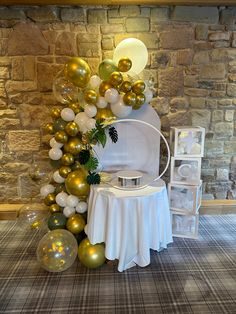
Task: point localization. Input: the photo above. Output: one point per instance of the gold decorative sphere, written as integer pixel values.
(75, 223)
(61, 137)
(50, 199)
(116, 78)
(90, 96)
(67, 159)
(54, 208)
(76, 183)
(124, 64)
(91, 255)
(140, 100)
(129, 99)
(64, 171)
(104, 113)
(125, 87)
(72, 128)
(56, 113)
(75, 107)
(77, 71)
(48, 128)
(138, 87)
(104, 86)
(73, 146)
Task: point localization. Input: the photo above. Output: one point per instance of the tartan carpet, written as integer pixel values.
(191, 276)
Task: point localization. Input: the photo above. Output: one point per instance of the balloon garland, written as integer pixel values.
(91, 104)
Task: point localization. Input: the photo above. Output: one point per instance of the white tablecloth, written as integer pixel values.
(129, 222)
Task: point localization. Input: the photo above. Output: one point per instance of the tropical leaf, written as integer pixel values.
(93, 178)
(92, 163)
(84, 156)
(113, 134)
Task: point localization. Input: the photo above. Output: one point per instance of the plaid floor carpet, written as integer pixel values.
(191, 276)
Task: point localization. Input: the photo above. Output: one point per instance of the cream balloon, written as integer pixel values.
(72, 201)
(148, 95)
(120, 110)
(90, 124)
(135, 50)
(94, 81)
(90, 111)
(111, 95)
(57, 178)
(81, 207)
(54, 144)
(46, 189)
(67, 114)
(61, 199)
(55, 153)
(68, 211)
(81, 118)
(101, 103)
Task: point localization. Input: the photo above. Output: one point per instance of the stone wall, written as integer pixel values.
(192, 61)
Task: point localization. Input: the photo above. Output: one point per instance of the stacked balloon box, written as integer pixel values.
(185, 187)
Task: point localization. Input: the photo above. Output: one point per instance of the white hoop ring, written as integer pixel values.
(161, 135)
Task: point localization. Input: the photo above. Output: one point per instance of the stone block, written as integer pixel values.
(170, 82)
(225, 102)
(229, 115)
(224, 129)
(19, 86)
(24, 140)
(73, 15)
(201, 57)
(29, 68)
(197, 102)
(112, 28)
(219, 54)
(113, 12)
(229, 147)
(201, 32)
(196, 92)
(43, 14)
(89, 49)
(231, 89)
(66, 44)
(159, 59)
(11, 14)
(159, 14)
(97, 16)
(107, 43)
(31, 36)
(149, 39)
(213, 148)
(215, 36)
(32, 116)
(179, 103)
(213, 71)
(181, 117)
(221, 44)
(137, 24)
(190, 81)
(161, 105)
(129, 10)
(201, 118)
(45, 75)
(4, 73)
(204, 14)
(7, 124)
(177, 39)
(217, 115)
(228, 16)
(184, 57)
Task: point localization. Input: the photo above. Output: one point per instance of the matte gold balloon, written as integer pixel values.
(129, 99)
(72, 128)
(104, 86)
(77, 71)
(49, 128)
(54, 208)
(76, 183)
(67, 159)
(76, 165)
(116, 78)
(75, 223)
(60, 187)
(75, 107)
(56, 113)
(73, 146)
(125, 87)
(90, 96)
(140, 100)
(91, 255)
(138, 87)
(59, 125)
(124, 64)
(106, 67)
(104, 113)
(61, 137)
(50, 199)
(64, 171)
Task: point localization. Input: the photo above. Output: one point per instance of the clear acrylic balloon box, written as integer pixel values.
(185, 170)
(184, 225)
(185, 198)
(187, 141)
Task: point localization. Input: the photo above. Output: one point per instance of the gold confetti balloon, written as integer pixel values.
(72, 128)
(90, 96)
(129, 99)
(76, 183)
(73, 146)
(124, 64)
(104, 86)
(67, 159)
(75, 223)
(56, 113)
(77, 71)
(91, 255)
(61, 137)
(57, 250)
(116, 78)
(138, 87)
(31, 217)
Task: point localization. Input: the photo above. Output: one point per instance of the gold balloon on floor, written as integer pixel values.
(91, 256)
(75, 224)
(76, 183)
(77, 71)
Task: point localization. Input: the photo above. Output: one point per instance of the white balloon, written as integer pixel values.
(67, 114)
(61, 199)
(46, 189)
(148, 95)
(90, 111)
(111, 95)
(68, 211)
(91, 124)
(57, 178)
(54, 144)
(55, 153)
(72, 201)
(101, 103)
(81, 118)
(94, 81)
(135, 50)
(81, 207)
(120, 110)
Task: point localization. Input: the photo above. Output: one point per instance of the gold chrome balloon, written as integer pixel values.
(104, 86)
(61, 137)
(54, 208)
(73, 146)
(75, 107)
(49, 128)
(125, 87)
(129, 99)
(64, 171)
(50, 199)
(140, 100)
(67, 159)
(104, 113)
(56, 113)
(72, 128)
(124, 64)
(91, 255)
(77, 71)
(90, 96)
(75, 223)
(138, 87)
(76, 183)
(116, 78)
